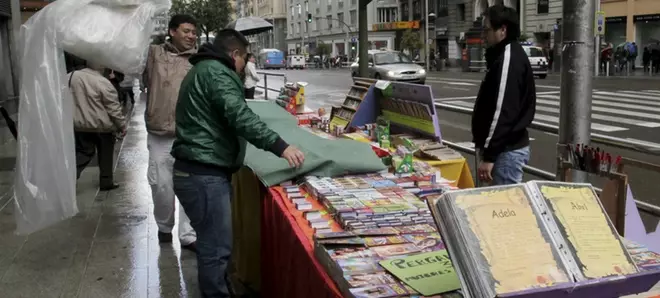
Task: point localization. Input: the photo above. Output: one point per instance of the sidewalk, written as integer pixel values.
(110, 249)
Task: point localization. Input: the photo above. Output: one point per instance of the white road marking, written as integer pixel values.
(644, 142)
(653, 91)
(548, 87)
(640, 92)
(613, 111)
(641, 102)
(618, 94)
(554, 119)
(455, 98)
(602, 103)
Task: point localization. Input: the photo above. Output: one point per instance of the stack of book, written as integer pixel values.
(545, 238)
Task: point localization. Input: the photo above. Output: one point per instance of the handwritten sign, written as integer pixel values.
(428, 273)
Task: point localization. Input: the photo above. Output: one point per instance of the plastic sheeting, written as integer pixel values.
(113, 33)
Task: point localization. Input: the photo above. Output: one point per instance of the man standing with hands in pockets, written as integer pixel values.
(213, 124)
(506, 102)
(167, 65)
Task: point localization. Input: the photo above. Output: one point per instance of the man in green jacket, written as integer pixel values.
(213, 123)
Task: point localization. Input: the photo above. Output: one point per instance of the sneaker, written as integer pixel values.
(109, 187)
(191, 247)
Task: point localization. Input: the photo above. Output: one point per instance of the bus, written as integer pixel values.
(271, 58)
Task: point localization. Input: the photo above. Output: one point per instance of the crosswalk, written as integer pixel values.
(612, 111)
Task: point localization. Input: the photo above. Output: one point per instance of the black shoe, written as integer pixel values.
(109, 187)
(191, 247)
(164, 237)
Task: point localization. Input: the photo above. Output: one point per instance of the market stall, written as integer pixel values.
(372, 233)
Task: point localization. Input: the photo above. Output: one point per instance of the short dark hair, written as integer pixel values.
(249, 55)
(179, 19)
(500, 16)
(227, 40)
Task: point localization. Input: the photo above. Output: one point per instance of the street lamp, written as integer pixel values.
(427, 45)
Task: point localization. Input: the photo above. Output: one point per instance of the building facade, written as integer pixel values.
(632, 20)
(464, 21)
(274, 12)
(542, 18)
(335, 22)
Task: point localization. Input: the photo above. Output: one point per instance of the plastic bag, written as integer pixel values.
(45, 176)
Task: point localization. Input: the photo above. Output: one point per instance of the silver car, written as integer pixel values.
(392, 66)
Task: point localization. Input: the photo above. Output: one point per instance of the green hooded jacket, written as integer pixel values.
(213, 120)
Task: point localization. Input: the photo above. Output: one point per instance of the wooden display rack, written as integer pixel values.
(343, 115)
(613, 197)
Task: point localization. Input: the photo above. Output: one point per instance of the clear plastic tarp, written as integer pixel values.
(113, 33)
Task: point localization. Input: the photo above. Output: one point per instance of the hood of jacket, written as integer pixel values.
(168, 46)
(208, 52)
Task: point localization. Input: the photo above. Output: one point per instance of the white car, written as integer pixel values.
(538, 60)
(392, 66)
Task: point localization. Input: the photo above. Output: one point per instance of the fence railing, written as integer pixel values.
(596, 138)
(265, 87)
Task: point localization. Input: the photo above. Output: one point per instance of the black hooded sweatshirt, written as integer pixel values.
(506, 102)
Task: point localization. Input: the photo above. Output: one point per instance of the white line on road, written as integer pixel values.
(455, 98)
(640, 92)
(644, 142)
(594, 126)
(548, 87)
(602, 103)
(641, 102)
(656, 98)
(613, 111)
(653, 91)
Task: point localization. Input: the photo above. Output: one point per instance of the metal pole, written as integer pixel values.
(266, 86)
(363, 36)
(426, 36)
(576, 75)
(597, 45)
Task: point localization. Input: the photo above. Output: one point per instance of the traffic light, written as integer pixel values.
(309, 18)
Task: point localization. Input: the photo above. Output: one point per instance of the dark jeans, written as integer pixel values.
(101, 144)
(249, 93)
(207, 202)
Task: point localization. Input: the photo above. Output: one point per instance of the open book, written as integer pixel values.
(533, 239)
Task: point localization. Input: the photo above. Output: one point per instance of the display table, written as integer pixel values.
(288, 265)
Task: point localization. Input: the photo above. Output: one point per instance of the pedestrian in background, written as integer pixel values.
(213, 124)
(97, 116)
(167, 65)
(506, 101)
(251, 77)
(646, 59)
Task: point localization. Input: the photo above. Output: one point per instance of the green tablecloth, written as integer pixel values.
(322, 157)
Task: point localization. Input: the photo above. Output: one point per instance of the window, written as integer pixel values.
(390, 58)
(386, 15)
(353, 16)
(340, 4)
(315, 25)
(292, 31)
(461, 12)
(443, 10)
(533, 52)
(542, 6)
(340, 17)
(329, 20)
(304, 27)
(353, 3)
(293, 12)
(298, 28)
(306, 6)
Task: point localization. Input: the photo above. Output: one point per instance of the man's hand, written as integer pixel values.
(293, 156)
(484, 171)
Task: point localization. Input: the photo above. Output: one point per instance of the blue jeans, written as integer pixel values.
(508, 168)
(207, 202)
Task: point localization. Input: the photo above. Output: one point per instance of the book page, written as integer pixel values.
(588, 230)
(511, 240)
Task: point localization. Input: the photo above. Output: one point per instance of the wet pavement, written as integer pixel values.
(110, 249)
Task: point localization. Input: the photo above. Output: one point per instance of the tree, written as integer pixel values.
(411, 41)
(211, 15)
(323, 49)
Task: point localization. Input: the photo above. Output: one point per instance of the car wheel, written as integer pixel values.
(543, 76)
(377, 76)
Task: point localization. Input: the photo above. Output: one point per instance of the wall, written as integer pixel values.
(541, 23)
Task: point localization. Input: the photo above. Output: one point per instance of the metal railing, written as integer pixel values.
(265, 87)
(596, 138)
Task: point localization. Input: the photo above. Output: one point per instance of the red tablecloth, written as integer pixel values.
(289, 268)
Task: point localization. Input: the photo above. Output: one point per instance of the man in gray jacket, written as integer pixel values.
(167, 65)
(98, 115)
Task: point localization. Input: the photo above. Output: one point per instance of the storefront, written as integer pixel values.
(8, 98)
(647, 29)
(615, 29)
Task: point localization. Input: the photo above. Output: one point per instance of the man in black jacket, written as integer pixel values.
(506, 102)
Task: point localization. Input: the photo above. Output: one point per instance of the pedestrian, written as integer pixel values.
(167, 65)
(633, 55)
(646, 59)
(505, 105)
(213, 123)
(251, 77)
(98, 115)
(126, 89)
(655, 58)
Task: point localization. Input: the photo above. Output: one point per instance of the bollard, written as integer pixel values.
(266, 86)
(607, 68)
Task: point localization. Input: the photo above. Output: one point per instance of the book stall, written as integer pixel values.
(359, 218)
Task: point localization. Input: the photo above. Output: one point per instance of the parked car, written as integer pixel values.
(538, 60)
(295, 62)
(392, 66)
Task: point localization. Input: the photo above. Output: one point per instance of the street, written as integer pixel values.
(627, 108)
